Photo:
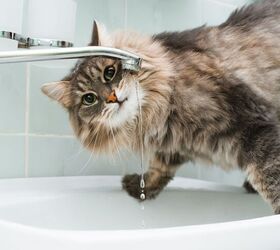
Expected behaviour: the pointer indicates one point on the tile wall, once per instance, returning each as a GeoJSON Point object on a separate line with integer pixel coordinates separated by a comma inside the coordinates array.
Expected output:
{"type": "Point", "coordinates": [35, 137]}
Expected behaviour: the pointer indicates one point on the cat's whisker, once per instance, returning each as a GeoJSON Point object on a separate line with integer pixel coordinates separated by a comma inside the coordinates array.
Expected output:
{"type": "Point", "coordinates": [94, 132]}
{"type": "Point", "coordinates": [106, 115]}
{"type": "Point", "coordinates": [110, 114]}
{"type": "Point", "coordinates": [125, 136]}
{"type": "Point", "coordinates": [114, 140]}
{"type": "Point", "coordinates": [123, 156]}
{"type": "Point", "coordinates": [86, 164]}
{"type": "Point", "coordinates": [80, 150]}
{"type": "Point", "coordinates": [111, 148]}
{"type": "Point", "coordinates": [104, 111]}
{"type": "Point", "coordinates": [91, 120]}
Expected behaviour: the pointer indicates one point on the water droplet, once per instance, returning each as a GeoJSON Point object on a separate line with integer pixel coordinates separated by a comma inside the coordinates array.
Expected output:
{"type": "Point", "coordinates": [142, 183]}
{"type": "Point", "coordinates": [142, 196]}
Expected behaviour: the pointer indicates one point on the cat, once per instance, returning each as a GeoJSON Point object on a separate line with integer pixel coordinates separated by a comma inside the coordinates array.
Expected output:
{"type": "Point", "coordinates": [210, 93]}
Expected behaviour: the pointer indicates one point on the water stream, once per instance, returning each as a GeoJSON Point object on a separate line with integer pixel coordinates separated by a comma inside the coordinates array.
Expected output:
{"type": "Point", "coordinates": [142, 181]}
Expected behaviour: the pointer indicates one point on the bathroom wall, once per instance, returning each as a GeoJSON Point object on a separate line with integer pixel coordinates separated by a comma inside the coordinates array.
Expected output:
{"type": "Point", "coordinates": [35, 138]}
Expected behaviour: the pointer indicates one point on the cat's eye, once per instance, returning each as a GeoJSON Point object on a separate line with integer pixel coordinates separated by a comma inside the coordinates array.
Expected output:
{"type": "Point", "coordinates": [89, 99]}
{"type": "Point", "coordinates": [109, 73]}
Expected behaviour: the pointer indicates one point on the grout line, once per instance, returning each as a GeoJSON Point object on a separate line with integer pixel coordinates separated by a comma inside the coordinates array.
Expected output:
{"type": "Point", "coordinates": [36, 135]}
{"type": "Point", "coordinates": [26, 143]}
{"type": "Point", "coordinates": [51, 135]}
{"type": "Point", "coordinates": [12, 134]}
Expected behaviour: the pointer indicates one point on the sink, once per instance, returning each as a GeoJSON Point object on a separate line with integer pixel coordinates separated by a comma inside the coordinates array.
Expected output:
{"type": "Point", "coordinates": [93, 211]}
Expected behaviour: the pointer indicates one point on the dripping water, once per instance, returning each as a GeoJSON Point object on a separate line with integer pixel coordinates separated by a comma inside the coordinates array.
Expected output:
{"type": "Point", "coordinates": [142, 181]}
{"type": "Point", "coordinates": [143, 222]}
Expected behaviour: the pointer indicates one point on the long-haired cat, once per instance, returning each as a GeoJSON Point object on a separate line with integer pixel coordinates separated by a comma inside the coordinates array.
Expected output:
{"type": "Point", "coordinates": [211, 93]}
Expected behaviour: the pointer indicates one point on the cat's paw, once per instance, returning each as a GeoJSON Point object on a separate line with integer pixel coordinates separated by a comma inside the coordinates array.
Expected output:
{"type": "Point", "coordinates": [131, 183]}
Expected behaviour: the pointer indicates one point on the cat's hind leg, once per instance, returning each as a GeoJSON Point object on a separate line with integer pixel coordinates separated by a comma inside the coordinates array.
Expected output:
{"type": "Point", "coordinates": [248, 187]}
{"type": "Point", "coordinates": [266, 180]}
{"type": "Point", "coordinates": [262, 155]}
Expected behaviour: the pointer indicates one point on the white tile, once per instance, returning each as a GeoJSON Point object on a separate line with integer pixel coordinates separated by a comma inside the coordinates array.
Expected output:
{"type": "Point", "coordinates": [82, 162]}
{"type": "Point", "coordinates": [12, 97]}
{"type": "Point", "coordinates": [212, 173]}
{"type": "Point", "coordinates": [58, 156]}
{"type": "Point", "coordinates": [109, 12]}
{"type": "Point", "coordinates": [189, 170]}
{"type": "Point", "coordinates": [11, 18]}
{"type": "Point", "coordinates": [11, 156]}
{"type": "Point", "coordinates": [47, 155]}
{"type": "Point", "coordinates": [214, 13]}
{"type": "Point", "coordinates": [180, 14]}
{"type": "Point", "coordinates": [60, 24]}
{"type": "Point", "coordinates": [144, 16]}
{"type": "Point", "coordinates": [234, 177]}
{"type": "Point", "coordinates": [157, 16]}
{"type": "Point", "coordinates": [47, 116]}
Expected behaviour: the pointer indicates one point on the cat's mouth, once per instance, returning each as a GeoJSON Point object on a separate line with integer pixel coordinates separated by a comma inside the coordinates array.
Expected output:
{"type": "Point", "coordinates": [121, 98]}
{"type": "Point", "coordinates": [121, 102]}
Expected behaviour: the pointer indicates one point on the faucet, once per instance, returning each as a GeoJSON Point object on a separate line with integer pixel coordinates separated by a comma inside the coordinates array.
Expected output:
{"type": "Point", "coordinates": [130, 61]}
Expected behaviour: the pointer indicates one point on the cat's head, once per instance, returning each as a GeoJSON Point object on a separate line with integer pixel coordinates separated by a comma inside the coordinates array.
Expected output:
{"type": "Point", "coordinates": [102, 98]}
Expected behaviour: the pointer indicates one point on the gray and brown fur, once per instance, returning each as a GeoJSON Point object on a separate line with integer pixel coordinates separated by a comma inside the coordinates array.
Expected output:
{"type": "Point", "coordinates": [211, 94]}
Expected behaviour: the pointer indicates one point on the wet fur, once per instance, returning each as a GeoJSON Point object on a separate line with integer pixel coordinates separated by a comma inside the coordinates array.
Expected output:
{"type": "Point", "coordinates": [211, 94]}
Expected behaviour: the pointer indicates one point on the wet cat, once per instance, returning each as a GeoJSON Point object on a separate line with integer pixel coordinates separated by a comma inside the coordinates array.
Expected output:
{"type": "Point", "coordinates": [211, 93]}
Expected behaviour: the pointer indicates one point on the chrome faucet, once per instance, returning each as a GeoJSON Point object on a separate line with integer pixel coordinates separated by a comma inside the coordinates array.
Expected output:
{"type": "Point", "coordinates": [129, 60]}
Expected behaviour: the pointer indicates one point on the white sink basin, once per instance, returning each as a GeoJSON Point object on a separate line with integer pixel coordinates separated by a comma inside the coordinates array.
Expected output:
{"type": "Point", "coordinates": [88, 212]}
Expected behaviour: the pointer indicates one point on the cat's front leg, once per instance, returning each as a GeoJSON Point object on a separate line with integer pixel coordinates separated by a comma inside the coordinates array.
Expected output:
{"type": "Point", "coordinates": [161, 170]}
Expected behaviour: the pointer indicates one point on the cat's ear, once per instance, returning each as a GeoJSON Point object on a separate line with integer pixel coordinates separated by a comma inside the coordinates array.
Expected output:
{"type": "Point", "coordinates": [99, 36]}
{"type": "Point", "coordinates": [58, 91]}
{"type": "Point", "coordinates": [94, 35]}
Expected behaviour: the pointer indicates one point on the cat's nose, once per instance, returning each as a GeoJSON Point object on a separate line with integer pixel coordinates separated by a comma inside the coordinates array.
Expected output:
{"type": "Point", "coordinates": [112, 98]}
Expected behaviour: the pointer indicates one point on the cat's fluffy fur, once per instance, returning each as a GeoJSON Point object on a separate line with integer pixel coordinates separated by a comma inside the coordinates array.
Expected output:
{"type": "Point", "coordinates": [212, 93]}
